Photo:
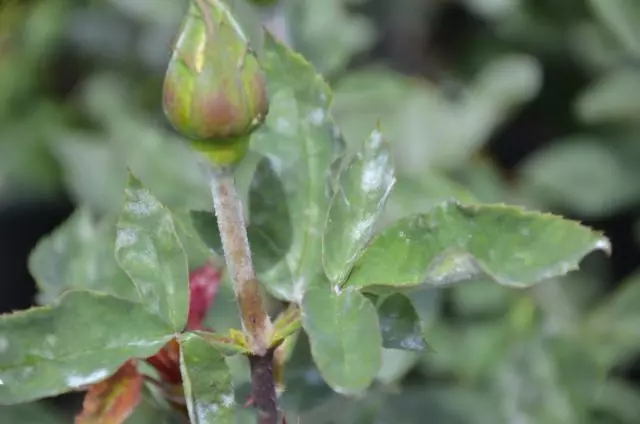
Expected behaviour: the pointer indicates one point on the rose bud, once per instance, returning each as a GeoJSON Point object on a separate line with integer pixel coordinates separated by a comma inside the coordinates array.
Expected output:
{"type": "Point", "coordinates": [214, 89]}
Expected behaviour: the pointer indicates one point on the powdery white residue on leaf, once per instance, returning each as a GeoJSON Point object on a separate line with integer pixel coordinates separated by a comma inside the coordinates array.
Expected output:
{"type": "Point", "coordinates": [143, 343]}
{"type": "Point", "coordinates": [203, 410]}
{"type": "Point", "coordinates": [78, 380]}
{"type": "Point", "coordinates": [144, 206]}
{"type": "Point", "coordinates": [377, 174]}
{"type": "Point", "coordinates": [412, 343]}
{"type": "Point", "coordinates": [125, 237]}
{"type": "Point", "coordinates": [375, 139]}
{"type": "Point", "coordinates": [317, 116]}
{"type": "Point", "coordinates": [362, 229]}
{"type": "Point", "coordinates": [299, 288]}
{"type": "Point", "coordinates": [4, 344]}
{"type": "Point", "coordinates": [228, 400]}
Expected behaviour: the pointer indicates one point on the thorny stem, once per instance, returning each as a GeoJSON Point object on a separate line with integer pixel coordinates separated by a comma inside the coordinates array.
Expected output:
{"type": "Point", "coordinates": [255, 320]}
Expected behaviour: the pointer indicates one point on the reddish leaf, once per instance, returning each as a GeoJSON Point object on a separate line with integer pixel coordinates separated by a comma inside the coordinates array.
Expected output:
{"type": "Point", "coordinates": [112, 400]}
{"type": "Point", "coordinates": [167, 362]}
{"type": "Point", "coordinates": [204, 284]}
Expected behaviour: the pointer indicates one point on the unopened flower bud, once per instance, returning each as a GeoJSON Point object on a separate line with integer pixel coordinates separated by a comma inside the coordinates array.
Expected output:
{"type": "Point", "coordinates": [214, 89]}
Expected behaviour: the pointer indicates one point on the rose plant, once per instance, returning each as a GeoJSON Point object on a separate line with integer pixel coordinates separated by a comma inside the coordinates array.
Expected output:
{"type": "Point", "coordinates": [125, 295]}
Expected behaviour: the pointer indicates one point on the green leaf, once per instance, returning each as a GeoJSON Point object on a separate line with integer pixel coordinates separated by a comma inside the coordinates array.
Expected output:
{"type": "Point", "coordinates": [456, 242]}
{"type": "Point", "coordinates": [481, 298]}
{"type": "Point", "coordinates": [457, 126]}
{"type": "Point", "coordinates": [81, 339]}
{"type": "Point", "coordinates": [163, 162]}
{"type": "Point", "coordinates": [621, 17]}
{"type": "Point", "coordinates": [269, 230]}
{"type": "Point", "coordinates": [611, 329]}
{"type": "Point", "coordinates": [581, 174]}
{"type": "Point", "coordinates": [79, 255]}
{"type": "Point", "coordinates": [363, 188]}
{"type": "Point", "coordinates": [400, 325]}
{"type": "Point", "coordinates": [298, 139]}
{"type": "Point", "coordinates": [396, 364]}
{"type": "Point", "coordinates": [614, 98]}
{"type": "Point", "coordinates": [345, 337]}
{"type": "Point", "coordinates": [32, 413]}
{"type": "Point", "coordinates": [196, 249]}
{"type": "Point", "coordinates": [286, 324]}
{"type": "Point", "coordinates": [151, 410]}
{"type": "Point", "coordinates": [207, 383]}
{"type": "Point", "coordinates": [92, 172]}
{"type": "Point", "coordinates": [545, 381]}
{"type": "Point", "coordinates": [149, 251]}
{"type": "Point", "coordinates": [226, 345]}
{"type": "Point", "coordinates": [471, 352]}
{"type": "Point", "coordinates": [418, 195]}
{"type": "Point", "coordinates": [269, 227]}
{"type": "Point", "coordinates": [620, 398]}
{"type": "Point", "coordinates": [440, 403]}
{"type": "Point", "coordinates": [329, 51]}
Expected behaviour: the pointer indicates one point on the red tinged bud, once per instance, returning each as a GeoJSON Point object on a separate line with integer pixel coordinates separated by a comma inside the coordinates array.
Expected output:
{"type": "Point", "coordinates": [214, 88]}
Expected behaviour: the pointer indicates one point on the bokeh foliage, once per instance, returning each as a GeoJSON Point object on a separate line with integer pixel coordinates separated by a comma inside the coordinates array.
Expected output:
{"type": "Point", "coordinates": [80, 101]}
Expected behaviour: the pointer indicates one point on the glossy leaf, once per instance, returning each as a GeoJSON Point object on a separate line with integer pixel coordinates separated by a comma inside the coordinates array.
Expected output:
{"type": "Point", "coordinates": [149, 251]}
{"type": "Point", "coordinates": [455, 243]}
{"type": "Point", "coordinates": [79, 255]}
{"type": "Point", "coordinates": [78, 341]}
{"type": "Point", "coordinates": [207, 383]}
{"type": "Point", "coordinates": [113, 400]}
{"type": "Point", "coordinates": [345, 337]}
{"type": "Point", "coordinates": [363, 188]}
{"type": "Point", "coordinates": [400, 325]}
{"type": "Point", "coordinates": [298, 140]}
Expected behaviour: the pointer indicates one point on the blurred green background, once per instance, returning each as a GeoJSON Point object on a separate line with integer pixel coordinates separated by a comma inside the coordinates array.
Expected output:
{"type": "Point", "coordinates": [529, 102]}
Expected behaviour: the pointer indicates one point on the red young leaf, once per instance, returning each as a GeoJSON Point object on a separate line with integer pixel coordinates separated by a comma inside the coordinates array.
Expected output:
{"type": "Point", "coordinates": [204, 283]}
{"type": "Point", "coordinates": [167, 362]}
{"type": "Point", "coordinates": [112, 401]}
